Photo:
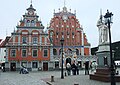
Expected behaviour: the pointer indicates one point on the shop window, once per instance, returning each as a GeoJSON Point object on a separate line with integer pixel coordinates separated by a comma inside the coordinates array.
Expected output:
{"type": "Point", "coordinates": [34, 65]}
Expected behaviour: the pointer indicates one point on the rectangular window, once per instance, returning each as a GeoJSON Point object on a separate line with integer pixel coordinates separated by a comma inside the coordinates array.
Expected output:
{"type": "Point", "coordinates": [34, 64]}
{"type": "Point", "coordinates": [24, 53]}
{"type": "Point", "coordinates": [13, 53]}
{"type": "Point", "coordinates": [35, 53]}
{"type": "Point", "coordinates": [24, 40]}
{"type": "Point", "coordinates": [35, 40]}
{"type": "Point", "coordinates": [45, 53]}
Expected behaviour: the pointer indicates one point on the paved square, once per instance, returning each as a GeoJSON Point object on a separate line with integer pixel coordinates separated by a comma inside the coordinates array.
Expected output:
{"type": "Point", "coordinates": [40, 78]}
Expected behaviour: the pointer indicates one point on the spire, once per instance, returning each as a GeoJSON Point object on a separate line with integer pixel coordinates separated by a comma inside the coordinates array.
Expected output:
{"type": "Point", "coordinates": [31, 6]}
{"type": "Point", "coordinates": [64, 8]}
{"type": "Point", "coordinates": [64, 3]}
{"type": "Point", "coordinates": [101, 15]}
{"type": "Point", "coordinates": [31, 1]}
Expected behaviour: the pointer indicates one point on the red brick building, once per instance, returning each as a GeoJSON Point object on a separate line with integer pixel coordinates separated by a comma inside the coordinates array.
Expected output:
{"type": "Point", "coordinates": [65, 25]}
{"type": "Point", "coordinates": [28, 45]}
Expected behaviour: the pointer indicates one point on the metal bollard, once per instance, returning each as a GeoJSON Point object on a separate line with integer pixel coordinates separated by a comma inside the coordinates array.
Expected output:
{"type": "Point", "coordinates": [52, 78]}
{"type": "Point", "coordinates": [76, 84]}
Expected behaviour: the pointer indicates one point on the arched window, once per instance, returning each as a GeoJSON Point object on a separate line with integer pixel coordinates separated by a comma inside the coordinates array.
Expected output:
{"type": "Point", "coordinates": [77, 52]}
{"type": "Point", "coordinates": [28, 23]}
{"type": "Point", "coordinates": [69, 51]}
{"type": "Point", "coordinates": [32, 23]}
{"type": "Point", "coordinates": [54, 52]}
{"type": "Point", "coordinates": [60, 51]}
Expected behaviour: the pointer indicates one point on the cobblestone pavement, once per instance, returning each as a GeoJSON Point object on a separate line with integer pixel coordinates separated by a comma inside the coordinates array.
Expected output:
{"type": "Point", "coordinates": [14, 78]}
{"type": "Point", "coordinates": [40, 78]}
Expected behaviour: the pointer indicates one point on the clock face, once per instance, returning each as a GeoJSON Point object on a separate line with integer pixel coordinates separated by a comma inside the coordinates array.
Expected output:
{"type": "Point", "coordinates": [30, 12]}
{"type": "Point", "coordinates": [64, 17]}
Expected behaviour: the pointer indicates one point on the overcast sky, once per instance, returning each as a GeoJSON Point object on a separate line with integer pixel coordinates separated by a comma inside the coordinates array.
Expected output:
{"type": "Point", "coordinates": [87, 12]}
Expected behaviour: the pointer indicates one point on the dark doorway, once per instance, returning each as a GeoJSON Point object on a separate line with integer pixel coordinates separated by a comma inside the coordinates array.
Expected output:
{"type": "Point", "coordinates": [68, 60]}
{"type": "Point", "coordinates": [13, 66]}
{"type": "Point", "coordinates": [105, 61]}
{"type": "Point", "coordinates": [45, 66]}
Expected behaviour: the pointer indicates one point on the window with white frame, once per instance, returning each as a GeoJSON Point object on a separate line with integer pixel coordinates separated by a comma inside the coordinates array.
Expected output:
{"type": "Point", "coordinates": [24, 53]}
{"type": "Point", "coordinates": [35, 40]}
{"type": "Point", "coordinates": [45, 52]}
{"type": "Point", "coordinates": [34, 52]}
{"type": "Point", "coordinates": [13, 53]}
{"type": "Point", "coordinates": [24, 39]}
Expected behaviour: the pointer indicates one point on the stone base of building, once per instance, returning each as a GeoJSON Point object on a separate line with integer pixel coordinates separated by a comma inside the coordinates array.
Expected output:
{"type": "Point", "coordinates": [103, 74]}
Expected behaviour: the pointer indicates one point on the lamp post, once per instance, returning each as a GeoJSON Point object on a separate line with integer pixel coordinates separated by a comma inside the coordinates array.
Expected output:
{"type": "Point", "coordinates": [62, 42]}
{"type": "Point", "coordinates": [108, 21]}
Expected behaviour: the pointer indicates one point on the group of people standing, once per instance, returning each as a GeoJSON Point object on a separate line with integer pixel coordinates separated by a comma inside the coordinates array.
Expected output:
{"type": "Point", "coordinates": [73, 67]}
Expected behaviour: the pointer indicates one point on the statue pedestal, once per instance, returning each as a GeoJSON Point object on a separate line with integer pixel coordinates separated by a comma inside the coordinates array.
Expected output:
{"type": "Point", "coordinates": [103, 55]}
{"type": "Point", "coordinates": [103, 72]}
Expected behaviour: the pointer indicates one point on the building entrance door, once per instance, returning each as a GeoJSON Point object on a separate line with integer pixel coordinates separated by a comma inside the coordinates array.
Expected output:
{"type": "Point", "coordinates": [68, 60]}
{"type": "Point", "coordinates": [13, 67]}
{"type": "Point", "coordinates": [45, 66]}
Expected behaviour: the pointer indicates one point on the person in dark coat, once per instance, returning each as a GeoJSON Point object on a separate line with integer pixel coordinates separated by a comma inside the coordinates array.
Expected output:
{"type": "Point", "coordinates": [77, 69]}
{"type": "Point", "coordinates": [73, 68]}
{"type": "Point", "coordinates": [86, 68]}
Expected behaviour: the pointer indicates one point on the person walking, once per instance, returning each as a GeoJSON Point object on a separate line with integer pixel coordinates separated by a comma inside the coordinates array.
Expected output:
{"type": "Point", "coordinates": [68, 68]}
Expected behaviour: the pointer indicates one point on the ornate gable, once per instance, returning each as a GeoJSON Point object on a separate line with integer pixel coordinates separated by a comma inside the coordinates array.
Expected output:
{"type": "Point", "coordinates": [30, 19]}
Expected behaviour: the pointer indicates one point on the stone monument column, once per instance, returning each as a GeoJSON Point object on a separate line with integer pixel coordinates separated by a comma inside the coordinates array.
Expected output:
{"type": "Point", "coordinates": [103, 52]}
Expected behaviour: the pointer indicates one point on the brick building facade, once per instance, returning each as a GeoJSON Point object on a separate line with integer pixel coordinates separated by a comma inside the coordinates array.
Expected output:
{"type": "Point", "coordinates": [64, 24]}
{"type": "Point", "coordinates": [29, 44]}
{"type": "Point", "coordinates": [36, 49]}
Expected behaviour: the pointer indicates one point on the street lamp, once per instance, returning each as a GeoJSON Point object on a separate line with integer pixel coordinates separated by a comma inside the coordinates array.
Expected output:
{"type": "Point", "coordinates": [62, 42]}
{"type": "Point", "coordinates": [108, 21]}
